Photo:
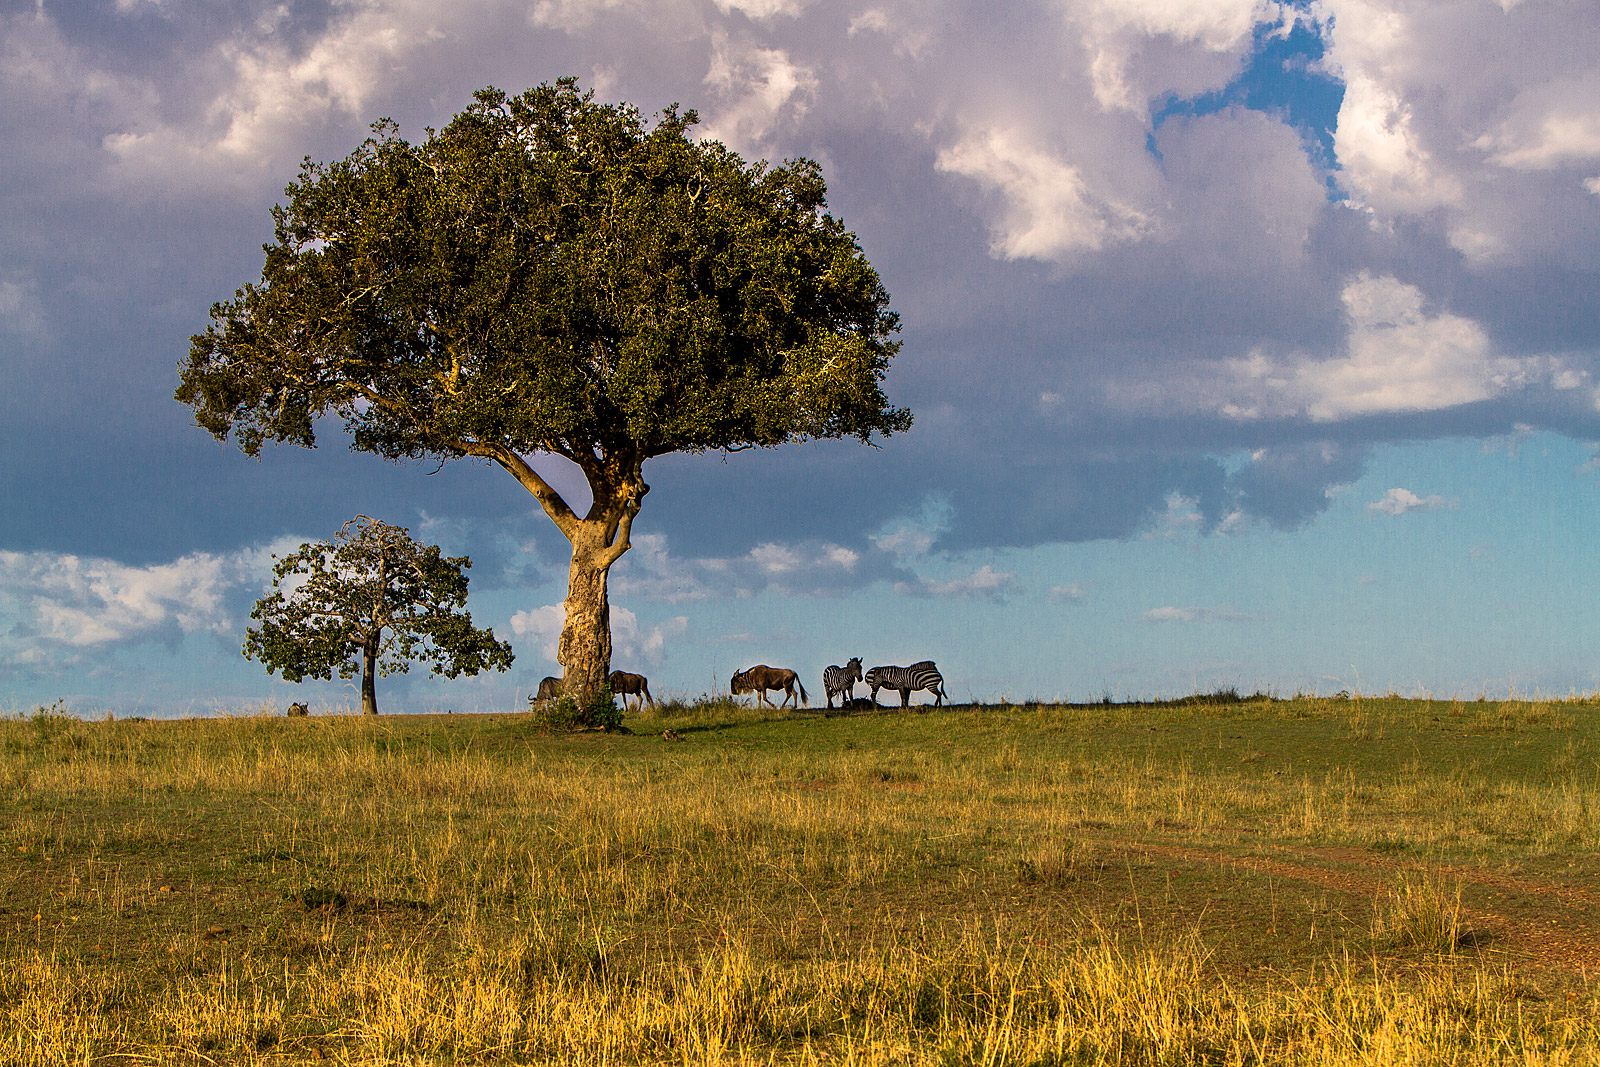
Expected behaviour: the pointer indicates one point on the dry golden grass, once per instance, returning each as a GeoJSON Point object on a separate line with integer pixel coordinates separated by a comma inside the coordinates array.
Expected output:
{"type": "Point", "coordinates": [980, 885]}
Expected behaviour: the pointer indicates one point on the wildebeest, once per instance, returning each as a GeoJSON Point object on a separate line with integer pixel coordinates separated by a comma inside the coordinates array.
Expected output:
{"type": "Point", "coordinates": [760, 678]}
{"type": "Point", "coordinates": [842, 680]}
{"type": "Point", "coordinates": [549, 689]}
{"type": "Point", "coordinates": [920, 675]}
{"type": "Point", "coordinates": [624, 684]}
{"type": "Point", "coordinates": [297, 709]}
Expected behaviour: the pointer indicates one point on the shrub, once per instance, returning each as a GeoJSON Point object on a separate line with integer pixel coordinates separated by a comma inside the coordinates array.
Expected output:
{"type": "Point", "coordinates": [567, 713]}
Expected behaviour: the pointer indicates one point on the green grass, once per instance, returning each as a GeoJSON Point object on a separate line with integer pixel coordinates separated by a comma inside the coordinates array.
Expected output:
{"type": "Point", "coordinates": [1221, 879]}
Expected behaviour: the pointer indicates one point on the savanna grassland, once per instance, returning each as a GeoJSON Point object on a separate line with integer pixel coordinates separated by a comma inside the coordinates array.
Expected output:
{"type": "Point", "coordinates": [1372, 881]}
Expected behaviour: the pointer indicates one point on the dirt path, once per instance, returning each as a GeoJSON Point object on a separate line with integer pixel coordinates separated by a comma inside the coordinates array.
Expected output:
{"type": "Point", "coordinates": [1558, 933]}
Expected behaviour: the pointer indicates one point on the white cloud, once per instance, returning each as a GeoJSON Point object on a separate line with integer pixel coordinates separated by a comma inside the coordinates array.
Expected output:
{"type": "Point", "coordinates": [1381, 158]}
{"type": "Point", "coordinates": [1557, 139]}
{"type": "Point", "coordinates": [1399, 501]}
{"type": "Point", "coordinates": [651, 571]}
{"type": "Point", "coordinates": [760, 88]}
{"type": "Point", "coordinates": [1115, 32]}
{"type": "Point", "coordinates": [1180, 516]}
{"type": "Point", "coordinates": [1067, 594]}
{"type": "Point", "coordinates": [1049, 210]}
{"type": "Point", "coordinates": [1398, 357]}
{"type": "Point", "coordinates": [20, 310]}
{"type": "Point", "coordinates": [542, 624]}
{"type": "Point", "coordinates": [1453, 109]}
{"type": "Point", "coordinates": [983, 582]}
{"type": "Point", "coordinates": [1193, 614]}
{"type": "Point", "coordinates": [55, 609]}
{"type": "Point", "coordinates": [762, 9]}
{"type": "Point", "coordinates": [225, 116]}
{"type": "Point", "coordinates": [630, 642]}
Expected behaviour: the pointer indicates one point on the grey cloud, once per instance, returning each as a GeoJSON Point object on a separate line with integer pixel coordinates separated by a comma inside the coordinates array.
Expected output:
{"type": "Point", "coordinates": [144, 148]}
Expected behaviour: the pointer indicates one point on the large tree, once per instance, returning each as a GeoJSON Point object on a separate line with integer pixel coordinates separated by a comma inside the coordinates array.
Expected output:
{"type": "Point", "coordinates": [371, 600]}
{"type": "Point", "coordinates": [548, 274]}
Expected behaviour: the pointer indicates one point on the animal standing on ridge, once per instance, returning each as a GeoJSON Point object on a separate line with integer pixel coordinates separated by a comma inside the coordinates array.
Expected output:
{"type": "Point", "coordinates": [908, 680]}
{"type": "Point", "coordinates": [842, 680]}
{"type": "Point", "coordinates": [760, 678]}
{"type": "Point", "coordinates": [624, 684]}
{"type": "Point", "coordinates": [296, 710]}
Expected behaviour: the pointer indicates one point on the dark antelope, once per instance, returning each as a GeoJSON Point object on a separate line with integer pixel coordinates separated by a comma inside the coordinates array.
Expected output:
{"type": "Point", "coordinates": [625, 685]}
{"type": "Point", "coordinates": [760, 678]}
{"type": "Point", "coordinates": [549, 689]}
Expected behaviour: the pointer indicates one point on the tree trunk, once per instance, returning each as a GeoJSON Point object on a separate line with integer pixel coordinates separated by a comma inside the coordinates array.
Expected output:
{"type": "Point", "coordinates": [598, 539]}
{"type": "Point", "coordinates": [369, 671]}
{"type": "Point", "coordinates": [585, 651]}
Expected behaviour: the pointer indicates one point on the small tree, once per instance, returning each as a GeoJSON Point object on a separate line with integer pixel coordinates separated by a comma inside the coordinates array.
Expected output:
{"type": "Point", "coordinates": [372, 600]}
{"type": "Point", "coordinates": [549, 275]}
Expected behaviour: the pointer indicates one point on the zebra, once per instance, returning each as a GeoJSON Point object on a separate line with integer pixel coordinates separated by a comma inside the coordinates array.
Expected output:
{"type": "Point", "coordinates": [842, 680]}
{"type": "Point", "coordinates": [920, 675]}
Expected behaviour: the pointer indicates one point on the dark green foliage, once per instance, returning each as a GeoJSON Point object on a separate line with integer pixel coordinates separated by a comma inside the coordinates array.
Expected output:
{"type": "Point", "coordinates": [370, 600]}
{"type": "Point", "coordinates": [599, 712]}
{"type": "Point", "coordinates": [550, 274]}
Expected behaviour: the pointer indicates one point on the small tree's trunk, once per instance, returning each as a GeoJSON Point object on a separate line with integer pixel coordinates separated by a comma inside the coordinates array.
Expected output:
{"type": "Point", "coordinates": [369, 671]}
{"type": "Point", "coordinates": [585, 651]}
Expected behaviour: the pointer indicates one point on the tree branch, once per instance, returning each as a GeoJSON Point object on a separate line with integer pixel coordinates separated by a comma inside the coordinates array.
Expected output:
{"type": "Point", "coordinates": [560, 513]}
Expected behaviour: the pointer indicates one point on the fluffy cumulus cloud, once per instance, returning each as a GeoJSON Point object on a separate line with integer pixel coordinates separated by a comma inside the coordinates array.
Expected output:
{"type": "Point", "coordinates": [756, 88]}
{"type": "Point", "coordinates": [901, 557]}
{"type": "Point", "coordinates": [1047, 207]}
{"type": "Point", "coordinates": [58, 611]}
{"type": "Point", "coordinates": [1482, 116]}
{"type": "Point", "coordinates": [985, 581]}
{"type": "Point", "coordinates": [1398, 356]}
{"type": "Point", "coordinates": [631, 641]}
{"type": "Point", "coordinates": [1398, 501]}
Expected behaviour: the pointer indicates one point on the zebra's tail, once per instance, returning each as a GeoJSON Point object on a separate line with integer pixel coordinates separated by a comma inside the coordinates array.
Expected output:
{"type": "Point", "coordinates": [803, 695]}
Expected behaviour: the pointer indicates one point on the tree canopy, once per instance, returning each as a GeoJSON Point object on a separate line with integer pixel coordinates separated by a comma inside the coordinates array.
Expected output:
{"type": "Point", "coordinates": [372, 600]}
{"type": "Point", "coordinates": [548, 274]}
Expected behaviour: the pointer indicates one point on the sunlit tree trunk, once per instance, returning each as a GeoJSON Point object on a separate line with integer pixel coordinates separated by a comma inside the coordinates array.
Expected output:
{"type": "Point", "coordinates": [585, 650]}
{"type": "Point", "coordinates": [598, 540]}
{"type": "Point", "coordinates": [369, 685]}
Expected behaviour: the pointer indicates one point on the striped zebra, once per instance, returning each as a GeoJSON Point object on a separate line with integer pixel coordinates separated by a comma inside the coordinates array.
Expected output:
{"type": "Point", "coordinates": [922, 675]}
{"type": "Point", "coordinates": [842, 680]}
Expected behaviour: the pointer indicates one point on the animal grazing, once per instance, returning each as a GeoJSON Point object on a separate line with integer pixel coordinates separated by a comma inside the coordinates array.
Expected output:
{"type": "Point", "coordinates": [760, 678]}
{"type": "Point", "coordinates": [842, 680]}
{"type": "Point", "coordinates": [549, 689]}
{"type": "Point", "coordinates": [624, 684]}
{"type": "Point", "coordinates": [921, 675]}
{"type": "Point", "coordinates": [297, 709]}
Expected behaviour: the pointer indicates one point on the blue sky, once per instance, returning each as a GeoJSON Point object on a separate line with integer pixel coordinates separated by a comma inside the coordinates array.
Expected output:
{"type": "Point", "coordinates": [1250, 344]}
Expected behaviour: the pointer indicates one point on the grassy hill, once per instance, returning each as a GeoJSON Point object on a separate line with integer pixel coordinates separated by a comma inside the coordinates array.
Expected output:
{"type": "Point", "coordinates": [1210, 881]}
